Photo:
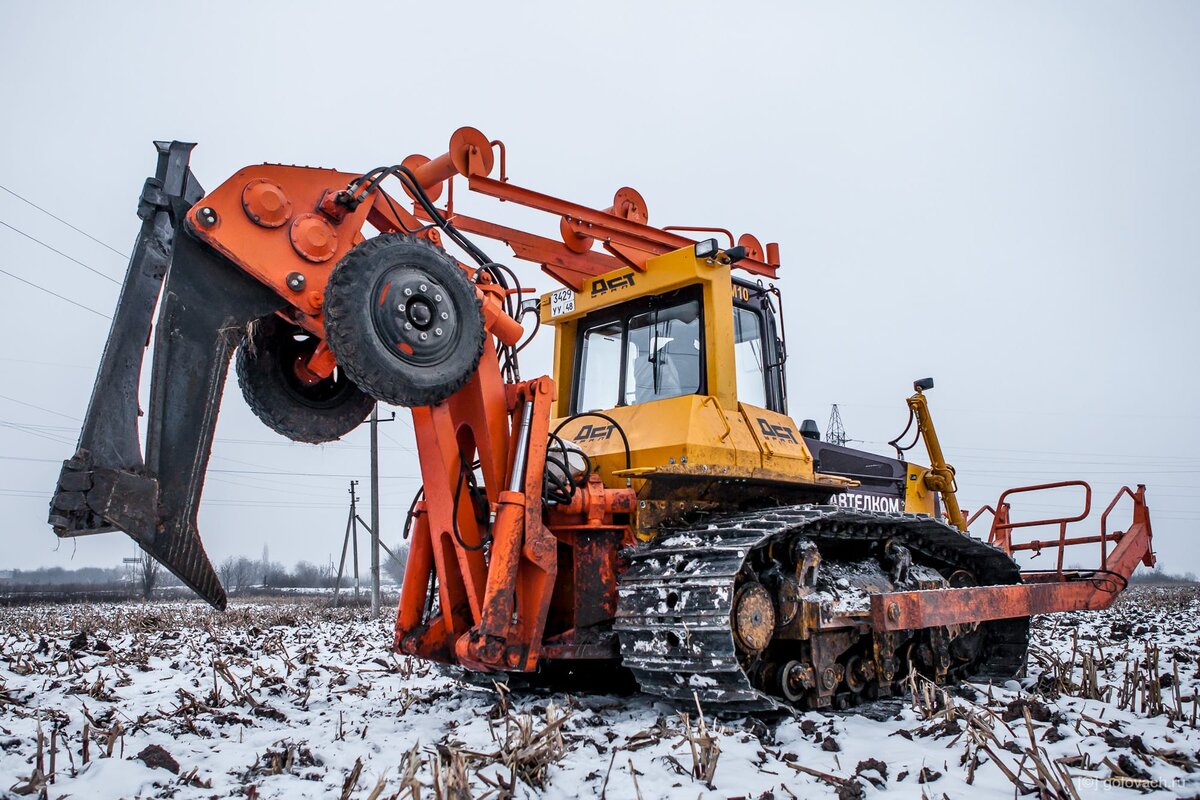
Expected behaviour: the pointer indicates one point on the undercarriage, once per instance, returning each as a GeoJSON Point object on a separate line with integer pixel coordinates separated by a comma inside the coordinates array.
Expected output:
{"type": "Point", "coordinates": [756, 611]}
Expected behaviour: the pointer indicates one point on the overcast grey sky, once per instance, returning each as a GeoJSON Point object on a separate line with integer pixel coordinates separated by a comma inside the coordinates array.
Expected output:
{"type": "Point", "coordinates": [1002, 196]}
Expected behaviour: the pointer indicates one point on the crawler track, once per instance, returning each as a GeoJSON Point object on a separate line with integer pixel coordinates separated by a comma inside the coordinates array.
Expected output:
{"type": "Point", "coordinates": [678, 594]}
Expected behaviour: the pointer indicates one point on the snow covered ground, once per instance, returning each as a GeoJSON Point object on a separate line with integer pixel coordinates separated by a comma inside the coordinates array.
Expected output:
{"type": "Point", "coordinates": [289, 699]}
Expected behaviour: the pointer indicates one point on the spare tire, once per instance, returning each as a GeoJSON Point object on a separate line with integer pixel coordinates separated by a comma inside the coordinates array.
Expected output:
{"type": "Point", "coordinates": [403, 320]}
{"type": "Point", "coordinates": [312, 411]}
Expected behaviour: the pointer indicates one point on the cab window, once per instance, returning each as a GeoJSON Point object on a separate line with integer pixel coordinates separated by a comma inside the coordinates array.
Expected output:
{"type": "Point", "coordinates": [641, 352]}
{"type": "Point", "coordinates": [748, 357]}
{"type": "Point", "coordinates": [601, 365]}
{"type": "Point", "coordinates": [663, 354]}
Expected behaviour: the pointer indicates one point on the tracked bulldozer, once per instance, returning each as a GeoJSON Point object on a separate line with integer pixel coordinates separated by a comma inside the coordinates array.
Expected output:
{"type": "Point", "coordinates": [649, 504]}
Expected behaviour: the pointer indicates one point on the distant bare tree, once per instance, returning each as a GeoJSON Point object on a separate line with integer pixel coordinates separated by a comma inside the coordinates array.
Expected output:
{"type": "Point", "coordinates": [395, 566]}
{"type": "Point", "coordinates": [246, 573]}
{"type": "Point", "coordinates": [239, 573]}
{"type": "Point", "coordinates": [307, 575]}
{"type": "Point", "coordinates": [226, 571]}
{"type": "Point", "coordinates": [150, 571]}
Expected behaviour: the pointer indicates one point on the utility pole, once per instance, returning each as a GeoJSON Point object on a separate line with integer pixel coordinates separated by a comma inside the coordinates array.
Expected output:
{"type": "Point", "coordinates": [374, 527]}
{"type": "Point", "coordinates": [354, 535]}
{"type": "Point", "coordinates": [375, 510]}
{"type": "Point", "coordinates": [351, 529]}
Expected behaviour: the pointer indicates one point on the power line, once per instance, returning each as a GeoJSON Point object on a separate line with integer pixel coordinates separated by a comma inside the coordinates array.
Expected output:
{"type": "Point", "coordinates": [313, 474]}
{"type": "Point", "coordinates": [27, 201]}
{"type": "Point", "coordinates": [1023, 412]}
{"type": "Point", "coordinates": [1077, 470]}
{"type": "Point", "coordinates": [299, 504]}
{"type": "Point", "coordinates": [41, 363]}
{"type": "Point", "coordinates": [284, 473]}
{"type": "Point", "coordinates": [39, 408]}
{"type": "Point", "coordinates": [108, 278]}
{"type": "Point", "coordinates": [402, 447]}
{"type": "Point", "coordinates": [341, 445]}
{"type": "Point", "coordinates": [33, 432]}
{"type": "Point", "coordinates": [955, 448]}
{"type": "Point", "coordinates": [56, 294]}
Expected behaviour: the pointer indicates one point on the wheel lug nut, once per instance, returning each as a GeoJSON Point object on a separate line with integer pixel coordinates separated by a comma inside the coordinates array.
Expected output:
{"type": "Point", "coordinates": [445, 315]}
{"type": "Point", "coordinates": [408, 292]}
{"type": "Point", "coordinates": [437, 298]}
{"type": "Point", "coordinates": [424, 336]}
{"type": "Point", "coordinates": [437, 331]}
{"type": "Point", "coordinates": [408, 326]}
{"type": "Point", "coordinates": [424, 288]}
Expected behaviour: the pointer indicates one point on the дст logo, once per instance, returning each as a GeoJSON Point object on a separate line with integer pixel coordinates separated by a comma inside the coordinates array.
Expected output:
{"type": "Point", "coordinates": [590, 433]}
{"type": "Point", "coordinates": [780, 433]}
{"type": "Point", "coordinates": [603, 286]}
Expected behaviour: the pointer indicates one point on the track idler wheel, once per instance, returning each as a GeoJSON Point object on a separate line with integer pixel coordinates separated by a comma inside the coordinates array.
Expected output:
{"type": "Point", "coordinates": [403, 320]}
{"type": "Point", "coordinates": [290, 400]}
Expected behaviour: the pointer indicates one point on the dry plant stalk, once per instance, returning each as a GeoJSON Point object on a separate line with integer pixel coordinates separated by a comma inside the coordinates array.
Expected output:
{"type": "Point", "coordinates": [705, 745]}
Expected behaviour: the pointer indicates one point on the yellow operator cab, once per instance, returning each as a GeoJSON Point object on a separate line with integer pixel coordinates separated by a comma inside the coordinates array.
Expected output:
{"type": "Point", "coordinates": [684, 364]}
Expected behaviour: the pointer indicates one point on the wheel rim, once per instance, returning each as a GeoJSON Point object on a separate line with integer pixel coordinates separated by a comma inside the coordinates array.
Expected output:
{"type": "Point", "coordinates": [856, 678]}
{"type": "Point", "coordinates": [794, 680]}
{"type": "Point", "coordinates": [295, 350]}
{"type": "Point", "coordinates": [754, 617]}
{"type": "Point", "coordinates": [414, 316]}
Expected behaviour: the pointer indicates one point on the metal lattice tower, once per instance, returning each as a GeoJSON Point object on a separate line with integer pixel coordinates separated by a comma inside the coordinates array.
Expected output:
{"type": "Point", "coordinates": [835, 433]}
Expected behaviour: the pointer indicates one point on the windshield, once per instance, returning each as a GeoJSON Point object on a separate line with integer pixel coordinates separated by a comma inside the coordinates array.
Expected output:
{"type": "Point", "coordinates": [663, 357]}
{"type": "Point", "coordinates": [647, 355]}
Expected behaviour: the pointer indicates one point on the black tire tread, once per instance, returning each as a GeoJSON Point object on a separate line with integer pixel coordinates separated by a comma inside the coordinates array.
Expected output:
{"type": "Point", "coordinates": [346, 338]}
{"type": "Point", "coordinates": [281, 413]}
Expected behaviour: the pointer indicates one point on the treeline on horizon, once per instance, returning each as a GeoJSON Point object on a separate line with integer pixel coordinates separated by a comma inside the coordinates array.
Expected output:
{"type": "Point", "coordinates": [240, 574]}
{"type": "Point", "coordinates": [237, 574]}
{"type": "Point", "coordinates": [1156, 577]}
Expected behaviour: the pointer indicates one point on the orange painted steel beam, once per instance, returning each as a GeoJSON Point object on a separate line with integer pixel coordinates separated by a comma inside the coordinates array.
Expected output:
{"type": "Point", "coordinates": [523, 561]}
{"type": "Point", "coordinates": [585, 221]}
{"type": "Point", "coordinates": [624, 223]}
{"type": "Point", "coordinates": [447, 538]}
{"type": "Point", "coordinates": [898, 611]}
{"type": "Point", "coordinates": [932, 608]}
{"type": "Point", "coordinates": [559, 261]}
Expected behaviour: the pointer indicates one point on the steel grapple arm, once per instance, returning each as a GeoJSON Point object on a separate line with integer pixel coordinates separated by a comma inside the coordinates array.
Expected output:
{"type": "Point", "coordinates": [274, 264]}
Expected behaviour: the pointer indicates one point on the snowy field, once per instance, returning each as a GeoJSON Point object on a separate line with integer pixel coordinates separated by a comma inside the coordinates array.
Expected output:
{"type": "Point", "coordinates": [289, 699]}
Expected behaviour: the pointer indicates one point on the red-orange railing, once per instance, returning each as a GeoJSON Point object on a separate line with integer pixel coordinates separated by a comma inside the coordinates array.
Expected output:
{"type": "Point", "coordinates": [1038, 592]}
{"type": "Point", "coordinates": [1002, 527]}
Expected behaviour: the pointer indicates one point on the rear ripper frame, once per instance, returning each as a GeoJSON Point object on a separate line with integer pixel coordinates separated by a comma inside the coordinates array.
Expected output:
{"type": "Point", "coordinates": [1041, 591]}
{"type": "Point", "coordinates": [108, 484]}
